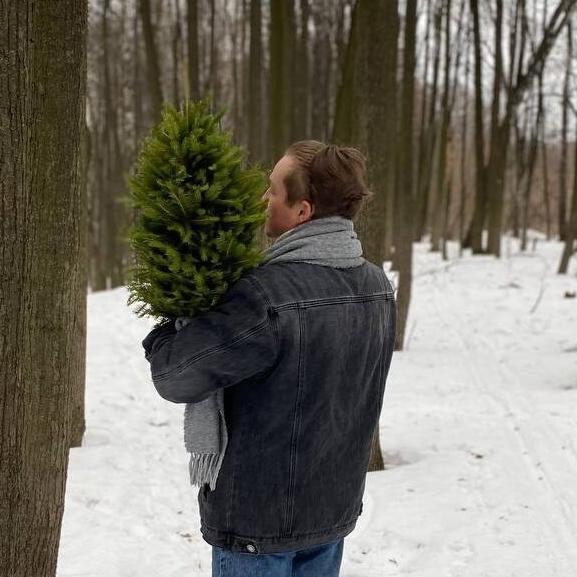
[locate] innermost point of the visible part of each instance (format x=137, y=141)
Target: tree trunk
x=233, y=30
x=527, y=191
x=496, y=144
x=193, y=49
x=255, y=96
x=428, y=137
x=176, y=51
x=43, y=285
x=302, y=104
x=280, y=76
x=571, y=229
x=404, y=186
x=420, y=215
x=519, y=174
x=244, y=76
x=439, y=206
x=138, y=127
x=447, y=195
x=95, y=205
x=152, y=66
x=545, y=163
x=365, y=118
x=365, y=114
x=562, y=215
x=376, y=462
x=321, y=72
x=521, y=76
x=377, y=83
x=214, y=58
x=345, y=126
x=475, y=240
x=531, y=165
x=464, y=147
x=114, y=183
x=78, y=356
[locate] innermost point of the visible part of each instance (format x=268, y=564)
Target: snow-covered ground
x=478, y=429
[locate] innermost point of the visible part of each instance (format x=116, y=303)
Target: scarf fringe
x=203, y=468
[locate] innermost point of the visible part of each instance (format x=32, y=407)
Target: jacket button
x=251, y=548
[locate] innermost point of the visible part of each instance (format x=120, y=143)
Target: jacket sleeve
x=233, y=342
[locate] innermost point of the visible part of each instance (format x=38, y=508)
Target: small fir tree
x=198, y=211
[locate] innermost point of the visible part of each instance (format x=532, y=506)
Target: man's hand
x=181, y=322
x=157, y=336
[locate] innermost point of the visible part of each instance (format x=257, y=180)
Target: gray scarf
x=329, y=241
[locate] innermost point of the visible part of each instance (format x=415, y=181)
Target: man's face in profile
x=280, y=216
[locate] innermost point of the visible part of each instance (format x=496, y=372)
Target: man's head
x=314, y=180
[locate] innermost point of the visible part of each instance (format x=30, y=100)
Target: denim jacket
x=302, y=352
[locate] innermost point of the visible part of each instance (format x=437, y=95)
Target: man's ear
x=306, y=210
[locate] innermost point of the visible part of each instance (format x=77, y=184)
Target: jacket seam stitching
x=295, y=433
x=256, y=283
x=335, y=300
x=272, y=313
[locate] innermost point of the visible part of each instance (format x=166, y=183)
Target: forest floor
x=478, y=430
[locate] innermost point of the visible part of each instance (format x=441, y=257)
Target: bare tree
x=152, y=66
x=176, y=53
x=429, y=123
x=464, y=144
x=256, y=97
x=441, y=202
x=214, y=56
x=562, y=214
x=365, y=118
x=43, y=285
x=522, y=72
x=281, y=35
x=403, y=258
x=474, y=237
x=365, y=113
x=301, y=109
x=321, y=70
x=193, y=48
x=112, y=167
x=531, y=165
x=571, y=228
x=498, y=137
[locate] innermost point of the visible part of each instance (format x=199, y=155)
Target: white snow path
x=482, y=410
x=478, y=429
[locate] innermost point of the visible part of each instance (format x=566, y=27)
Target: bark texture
x=152, y=63
x=43, y=276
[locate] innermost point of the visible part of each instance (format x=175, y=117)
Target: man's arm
x=234, y=342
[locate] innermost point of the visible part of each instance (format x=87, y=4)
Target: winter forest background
x=468, y=104
x=467, y=113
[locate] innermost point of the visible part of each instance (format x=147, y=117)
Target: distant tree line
x=464, y=108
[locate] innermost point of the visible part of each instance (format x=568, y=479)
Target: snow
x=478, y=430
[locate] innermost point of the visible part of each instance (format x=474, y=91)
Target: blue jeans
x=321, y=561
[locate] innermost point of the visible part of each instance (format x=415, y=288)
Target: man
x=300, y=347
